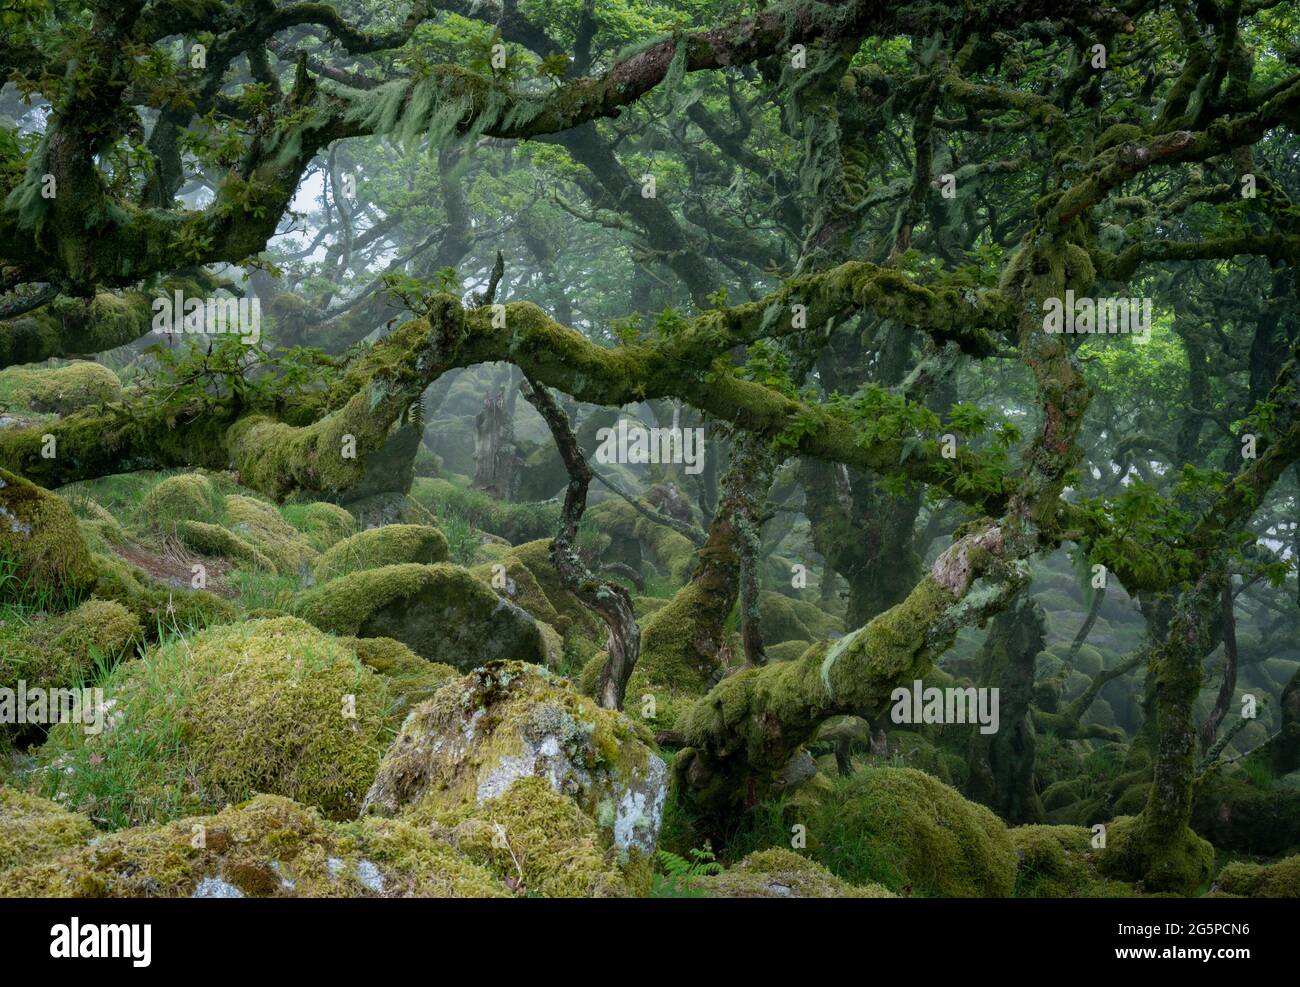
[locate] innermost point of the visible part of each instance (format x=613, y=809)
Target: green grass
x=260, y=590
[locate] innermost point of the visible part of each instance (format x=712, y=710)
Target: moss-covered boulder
x=161, y=609
x=1251, y=880
x=539, y=842
x=214, y=540
x=1182, y=865
x=268, y=847
x=914, y=834
x=268, y=706
x=670, y=552
x=65, y=651
x=1060, y=862
x=411, y=679
x=781, y=619
x=572, y=617
x=480, y=734
x=515, y=581
x=440, y=612
x=62, y=390
x=42, y=553
x=393, y=544
x=260, y=524
x=184, y=497
x=34, y=829
x=781, y=873
x=323, y=524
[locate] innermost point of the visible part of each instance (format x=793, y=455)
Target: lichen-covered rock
x=1250, y=880
x=539, y=842
x=392, y=544
x=34, y=829
x=440, y=612
x=268, y=706
x=260, y=524
x=781, y=873
x=478, y=735
x=269, y=847
x=40, y=542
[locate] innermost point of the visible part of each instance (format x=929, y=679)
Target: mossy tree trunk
x=1002, y=763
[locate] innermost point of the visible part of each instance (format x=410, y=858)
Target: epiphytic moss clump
x=509, y=720
x=265, y=706
x=392, y=544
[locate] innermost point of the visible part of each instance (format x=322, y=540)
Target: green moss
x=907, y=830
x=260, y=524
x=199, y=722
x=1250, y=880
x=513, y=522
x=670, y=660
x=782, y=873
x=571, y=616
x=1060, y=862
x=323, y=524
x=671, y=552
x=61, y=390
x=509, y=720
x=161, y=609
x=184, y=497
x=411, y=679
x=34, y=829
x=214, y=540
x=66, y=651
x=541, y=843
x=42, y=553
x=521, y=587
x=269, y=846
x=1182, y=865
x=440, y=612
x=392, y=544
